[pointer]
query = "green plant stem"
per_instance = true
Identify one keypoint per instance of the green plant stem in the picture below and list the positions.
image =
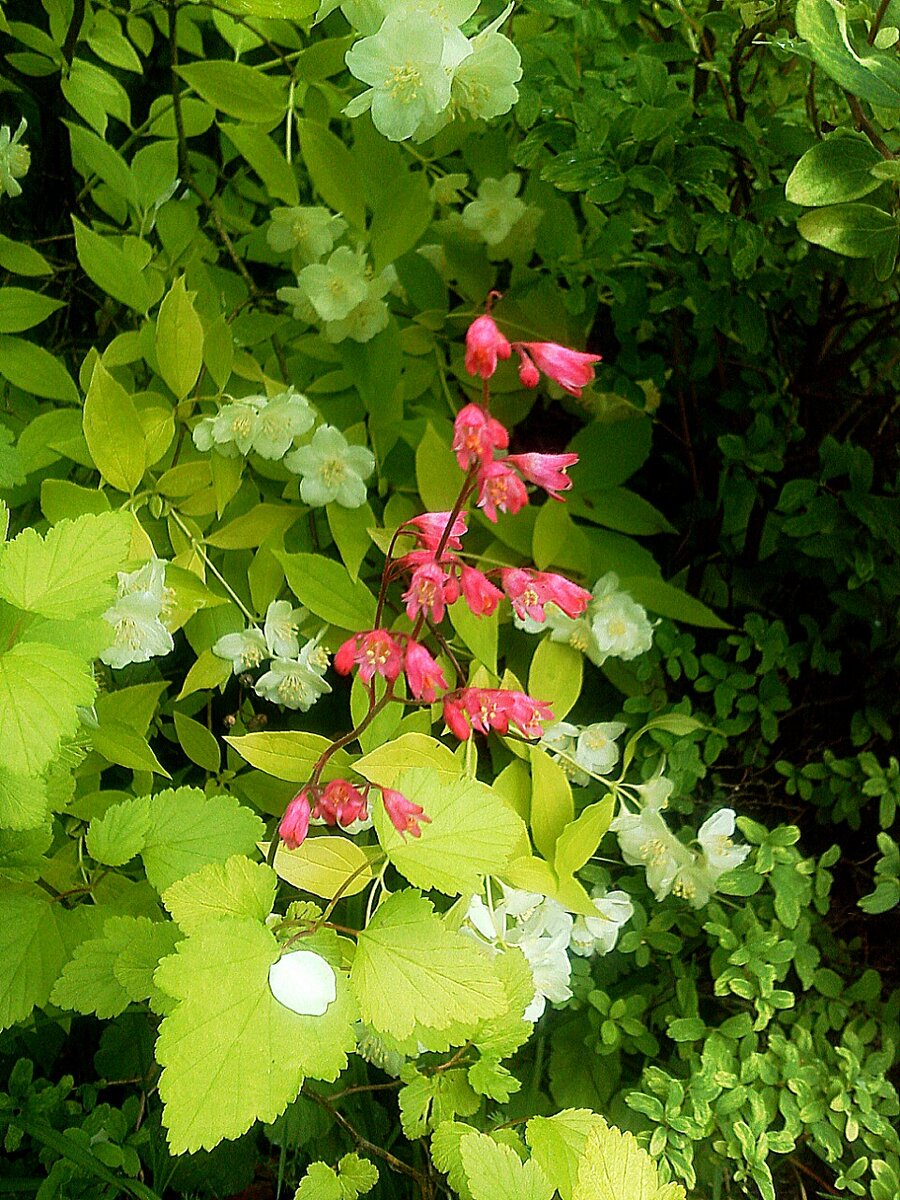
(198, 549)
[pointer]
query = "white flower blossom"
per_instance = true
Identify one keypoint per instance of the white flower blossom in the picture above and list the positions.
(619, 625)
(310, 230)
(245, 650)
(136, 617)
(645, 840)
(291, 683)
(331, 469)
(596, 750)
(15, 159)
(281, 419)
(280, 629)
(598, 935)
(496, 210)
(719, 851)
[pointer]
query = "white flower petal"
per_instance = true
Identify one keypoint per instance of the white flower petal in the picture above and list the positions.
(303, 982)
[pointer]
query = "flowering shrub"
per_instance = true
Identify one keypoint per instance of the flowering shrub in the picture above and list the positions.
(435, 758)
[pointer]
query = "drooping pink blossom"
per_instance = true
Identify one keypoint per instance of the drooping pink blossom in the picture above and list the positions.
(423, 674)
(294, 824)
(340, 804)
(500, 490)
(494, 708)
(430, 591)
(376, 652)
(478, 591)
(571, 369)
(405, 816)
(476, 435)
(429, 529)
(529, 591)
(484, 345)
(546, 470)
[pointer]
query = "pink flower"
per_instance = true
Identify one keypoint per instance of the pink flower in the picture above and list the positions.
(295, 822)
(429, 529)
(430, 590)
(476, 435)
(494, 708)
(423, 673)
(501, 489)
(484, 345)
(340, 804)
(529, 591)
(375, 652)
(571, 369)
(405, 816)
(546, 470)
(479, 593)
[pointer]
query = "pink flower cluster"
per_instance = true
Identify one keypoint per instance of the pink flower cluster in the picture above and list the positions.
(379, 652)
(340, 803)
(477, 436)
(485, 709)
(485, 344)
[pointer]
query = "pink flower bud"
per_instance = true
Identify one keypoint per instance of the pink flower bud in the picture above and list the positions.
(528, 372)
(494, 708)
(430, 590)
(295, 822)
(423, 673)
(484, 345)
(456, 717)
(546, 470)
(500, 488)
(346, 656)
(405, 816)
(529, 591)
(429, 529)
(340, 804)
(476, 435)
(571, 369)
(479, 593)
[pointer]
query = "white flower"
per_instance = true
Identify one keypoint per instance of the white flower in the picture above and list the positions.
(645, 840)
(596, 750)
(245, 650)
(719, 851)
(331, 469)
(311, 230)
(314, 657)
(136, 616)
(619, 625)
(15, 159)
(560, 737)
(291, 683)
(335, 288)
(280, 420)
(695, 882)
(280, 629)
(485, 81)
(496, 210)
(304, 982)
(598, 935)
(541, 929)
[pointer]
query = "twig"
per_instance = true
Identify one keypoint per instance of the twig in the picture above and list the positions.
(74, 31)
(876, 24)
(865, 126)
(391, 1159)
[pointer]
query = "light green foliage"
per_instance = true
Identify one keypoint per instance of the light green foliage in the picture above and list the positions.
(496, 1172)
(231, 1054)
(31, 952)
(235, 888)
(614, 1167)
(106, 973)
(557, 1143)
(179, 340)
(40, 689)
(411, 972)
(471, 832)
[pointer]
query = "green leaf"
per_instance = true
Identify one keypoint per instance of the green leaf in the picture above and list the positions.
(410, 971)
(555, 675)
(113, 432)
(357, 1176)
(319, 1183)
(333, 171)
(35, 370)
(70, 572)
(832, 171)
(291, 10)
(23, 801)
(252, 528)
(118, 743)
(620, 508)
(234, 888)
(179, 340)
(189, 829)
(472, 832)
(670, 601)
(323, 866)
(873, 75)
(552, 806)
(579, 841)
(113, 271)
(326, 589)
(22, 259)
(384, 765)
(88, 982)
(198, 743)
(22, 309)
(400, 218)
(290, 755)
(478, 633)
(120, 833)
(495, 1172)
(240, 91)
(231, 1053)
(614, 1167)
(350, 530)
(438, 476)
(31, 952)
(266, 160)
(40, 688)
(63, 500)
(147, 944)
(857, 230)
(557, 1144)
(610, 451)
